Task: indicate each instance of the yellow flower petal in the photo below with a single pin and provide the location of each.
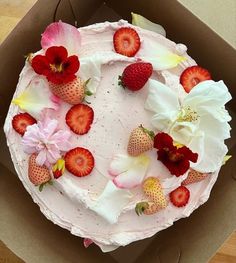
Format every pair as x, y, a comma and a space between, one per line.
171, 59
35, 98
226, 158
144, 23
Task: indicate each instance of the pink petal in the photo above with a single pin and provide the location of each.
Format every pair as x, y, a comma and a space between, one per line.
62, 34
87, 242
41, 158
129, 179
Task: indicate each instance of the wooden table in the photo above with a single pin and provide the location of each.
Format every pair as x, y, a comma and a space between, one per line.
11, 12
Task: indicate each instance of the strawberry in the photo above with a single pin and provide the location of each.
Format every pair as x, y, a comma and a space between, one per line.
126, 41
140, 141
72, 92
79, 161
79, 118
38, 175
147, 208
180, 196
21, 121
153, 190
191, 76
135, 76
193, 177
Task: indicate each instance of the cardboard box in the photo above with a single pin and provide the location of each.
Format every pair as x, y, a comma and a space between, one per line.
22, 226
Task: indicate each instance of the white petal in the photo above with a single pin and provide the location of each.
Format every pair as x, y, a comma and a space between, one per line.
161, 57
130, 170
213, 155
161, 98
215, 128
183, 132
163, 121
144, 23
120, 164
111, 195
35, 98
208, 93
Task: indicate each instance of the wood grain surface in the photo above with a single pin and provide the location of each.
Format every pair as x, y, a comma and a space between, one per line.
11, 11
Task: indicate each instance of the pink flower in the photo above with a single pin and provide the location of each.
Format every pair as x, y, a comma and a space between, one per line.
45, 139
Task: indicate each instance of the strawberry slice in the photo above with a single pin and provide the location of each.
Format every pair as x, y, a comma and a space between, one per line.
21, 121
191, 76
79, 118
79, 161
126, 41
180, 196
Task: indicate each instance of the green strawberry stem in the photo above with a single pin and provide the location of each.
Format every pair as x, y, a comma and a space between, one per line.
140, 207
150, 133
41, 186
120, 83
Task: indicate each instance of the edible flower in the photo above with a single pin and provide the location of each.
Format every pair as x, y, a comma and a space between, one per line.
35, 98
144, 23
45, 139
56, 65
127, 171
58, 168
199, 120
175, 158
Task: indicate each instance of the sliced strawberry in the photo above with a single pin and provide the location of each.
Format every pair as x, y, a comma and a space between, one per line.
21, 121
180, 196
79, 161
191, 76
79, 118
126, 41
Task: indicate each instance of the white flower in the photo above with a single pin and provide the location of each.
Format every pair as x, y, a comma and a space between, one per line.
199, 121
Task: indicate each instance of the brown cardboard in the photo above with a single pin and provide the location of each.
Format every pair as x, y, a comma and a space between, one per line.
25, 230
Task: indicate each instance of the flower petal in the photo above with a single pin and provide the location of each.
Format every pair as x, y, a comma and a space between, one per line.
111, 195
56, 55
183, 132
62, 34
208, 93
40, 64
35, 98
87, 242
131, 170
163, 140
71, 65
161, 57
161, 98
212, 157
144, 23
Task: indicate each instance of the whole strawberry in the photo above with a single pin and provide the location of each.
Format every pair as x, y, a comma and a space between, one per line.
72, 92
136, 75
157, 201
140, 141
194, 177
38, 175
146, 208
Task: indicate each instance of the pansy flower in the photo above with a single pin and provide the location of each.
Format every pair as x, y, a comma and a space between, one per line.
175, 158
56, 65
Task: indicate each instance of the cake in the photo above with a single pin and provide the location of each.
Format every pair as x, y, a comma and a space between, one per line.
115, 131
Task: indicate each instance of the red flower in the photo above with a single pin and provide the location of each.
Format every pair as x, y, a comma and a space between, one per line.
56, 65
174, 158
